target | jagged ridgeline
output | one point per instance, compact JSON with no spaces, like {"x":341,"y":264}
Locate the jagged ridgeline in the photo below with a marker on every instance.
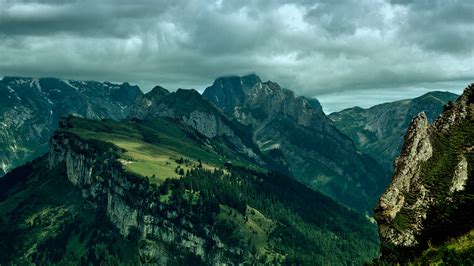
{"x":270,"y":124}
{"x":158,"y":191}
{"x":379,"y":130}
{"x":295,"y":132}
{"x":31,"y":108}
{"x":426,"y":215}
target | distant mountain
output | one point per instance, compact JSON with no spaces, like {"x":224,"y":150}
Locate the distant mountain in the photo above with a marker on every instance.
{"x":295,"y":132}
{"x":227,"y":93}
{"x":425,"y":216}
{"x":379,"y":130}
{"x":191,"y":109}
{"x":30,"y":110}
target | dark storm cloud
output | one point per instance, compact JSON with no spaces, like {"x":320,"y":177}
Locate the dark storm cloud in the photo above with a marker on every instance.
{"x":316,"y":48}
{"x":82,"y":18}
{"x":440,"y":25}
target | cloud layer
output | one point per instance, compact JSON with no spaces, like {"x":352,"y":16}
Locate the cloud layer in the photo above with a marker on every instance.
{"x":317,"y":48}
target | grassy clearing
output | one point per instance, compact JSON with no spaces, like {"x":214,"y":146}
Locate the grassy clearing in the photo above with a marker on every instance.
{"x":152,"y":149}
{"x":462,"y":243}
{"x":455,"y":251}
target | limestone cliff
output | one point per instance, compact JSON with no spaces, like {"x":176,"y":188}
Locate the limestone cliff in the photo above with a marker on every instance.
{"x":406,"y":180}
{"x":427,"y":199}
{"x":131,"y":203}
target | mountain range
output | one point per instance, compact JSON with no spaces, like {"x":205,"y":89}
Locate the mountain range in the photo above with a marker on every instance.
{"x":31,"y":108}
{"x":247,"y":172}
{"x":162,"y":188}
{"x":287,"y":133}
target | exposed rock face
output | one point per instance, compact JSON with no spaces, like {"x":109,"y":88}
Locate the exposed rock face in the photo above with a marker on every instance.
{"x":406,"y":180}
{"x":207,"y":124}
{"x":191,"y":109}
{"x":131,"y":203}
{"x":430,"y":179}
{"x":308,"y":144}
{"x":143,"y":102}
{"x":460,"y":175}
{"x":456,"y":112}
{"x":30,"y":110}
{"x":229,"y":92}
{"x":379,"y":130}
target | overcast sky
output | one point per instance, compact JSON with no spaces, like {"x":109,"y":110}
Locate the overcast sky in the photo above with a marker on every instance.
{"x":345,"y":53}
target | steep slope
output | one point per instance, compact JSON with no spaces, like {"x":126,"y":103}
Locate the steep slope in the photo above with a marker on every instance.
{"x":431,"y":196}
{"x":229,"y":92}
{"x":85,"y":201}
{"x":30,"y":110}
{"x":190,"y":108}
{"x":296,"y":132}
{"x":379,"y":130}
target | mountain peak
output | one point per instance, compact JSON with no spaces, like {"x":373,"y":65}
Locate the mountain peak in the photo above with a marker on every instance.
{"x":416,"y":150}
{"x":314,"y":103}
{"x":468,"y":94}
{"x":420,"y":119}
{"x":188,"y":92}
{"x":272,"y":85}
{"x":229,"y":92}
{"x":455,"y":112}
{"x":296,"y":128}
{"x":438,"y":94}
{"x":157,"y":93}
{"x":248,"y":79}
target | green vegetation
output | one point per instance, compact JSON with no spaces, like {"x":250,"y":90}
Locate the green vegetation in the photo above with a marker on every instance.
{"x":44,"y":220}
{"x":379,"y":130}
{"x":269,"y":217}
{"x":281,"y":227}
{"x":456,"y":251}
{"x":437,"y":175}
{"x":152,"y":148}
{"x":451,"y":216}
{"x":368,"y":178}
{"x":253,"y":226}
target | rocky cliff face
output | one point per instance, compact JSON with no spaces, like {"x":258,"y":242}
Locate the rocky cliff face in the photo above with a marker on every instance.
{"x":406,"y":180}
{"x":307,"y":142}
{"x":379,"y":130}
{"x":227,"y":93}
{"x":132,"y":204}
{"x":191,"y":109}
{"x":431,"y":185}
{"x":30,"y":110}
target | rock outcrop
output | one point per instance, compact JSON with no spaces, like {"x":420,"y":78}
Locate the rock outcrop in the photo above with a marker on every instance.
{"x":379,"y":130}
{"x":406,"y":180}
{"x":430,"y":188}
